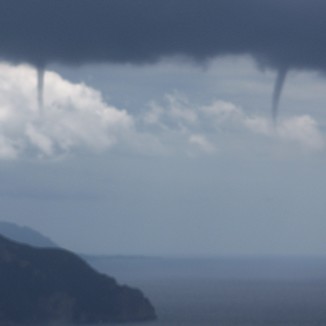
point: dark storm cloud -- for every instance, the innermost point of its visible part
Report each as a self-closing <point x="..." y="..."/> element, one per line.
<point x="286" y="33"/>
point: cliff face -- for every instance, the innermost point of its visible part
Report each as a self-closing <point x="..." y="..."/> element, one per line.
<point x="46" y="285"/>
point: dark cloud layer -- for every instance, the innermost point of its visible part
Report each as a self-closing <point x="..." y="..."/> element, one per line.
<point x="279" y="33"/>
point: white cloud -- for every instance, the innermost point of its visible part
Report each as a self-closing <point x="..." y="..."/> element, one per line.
<point x="154" y="115"/>
<point x="180" y="109"/>
<point x="40" y="140"/>
<point x="225" y="118"/>
<point x="303" y="130"/>
<point x="8" y="149"/>
<point x="176" y="113"/>
<point x="74" y="116"/>
<point x="201" y="142"/>
<point x="259" y="125"/>
<point x="222" y="112"/>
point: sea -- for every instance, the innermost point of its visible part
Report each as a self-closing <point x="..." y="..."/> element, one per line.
<point x="191" y="291"/>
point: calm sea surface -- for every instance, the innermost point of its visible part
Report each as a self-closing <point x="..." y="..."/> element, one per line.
<point x="226" y="292"/>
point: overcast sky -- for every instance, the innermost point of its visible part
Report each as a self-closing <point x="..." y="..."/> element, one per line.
<point x="155" y="135"/>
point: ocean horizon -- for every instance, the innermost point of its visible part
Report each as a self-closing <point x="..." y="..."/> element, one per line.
<point x="226" y="291"/>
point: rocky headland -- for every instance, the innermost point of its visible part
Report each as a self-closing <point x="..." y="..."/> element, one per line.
<point x="45" y="285"/>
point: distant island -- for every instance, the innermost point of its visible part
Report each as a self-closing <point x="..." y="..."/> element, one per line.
<point x="45" y="285"/>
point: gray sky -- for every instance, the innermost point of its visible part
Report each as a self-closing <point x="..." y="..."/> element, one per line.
<point x="169" y="157"/>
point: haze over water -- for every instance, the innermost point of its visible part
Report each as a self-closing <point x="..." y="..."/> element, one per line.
<point x="227" y="291"/>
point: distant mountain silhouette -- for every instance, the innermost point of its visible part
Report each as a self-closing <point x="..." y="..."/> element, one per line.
<point x="45" y="285"/>
<point x="25" y="235"/>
